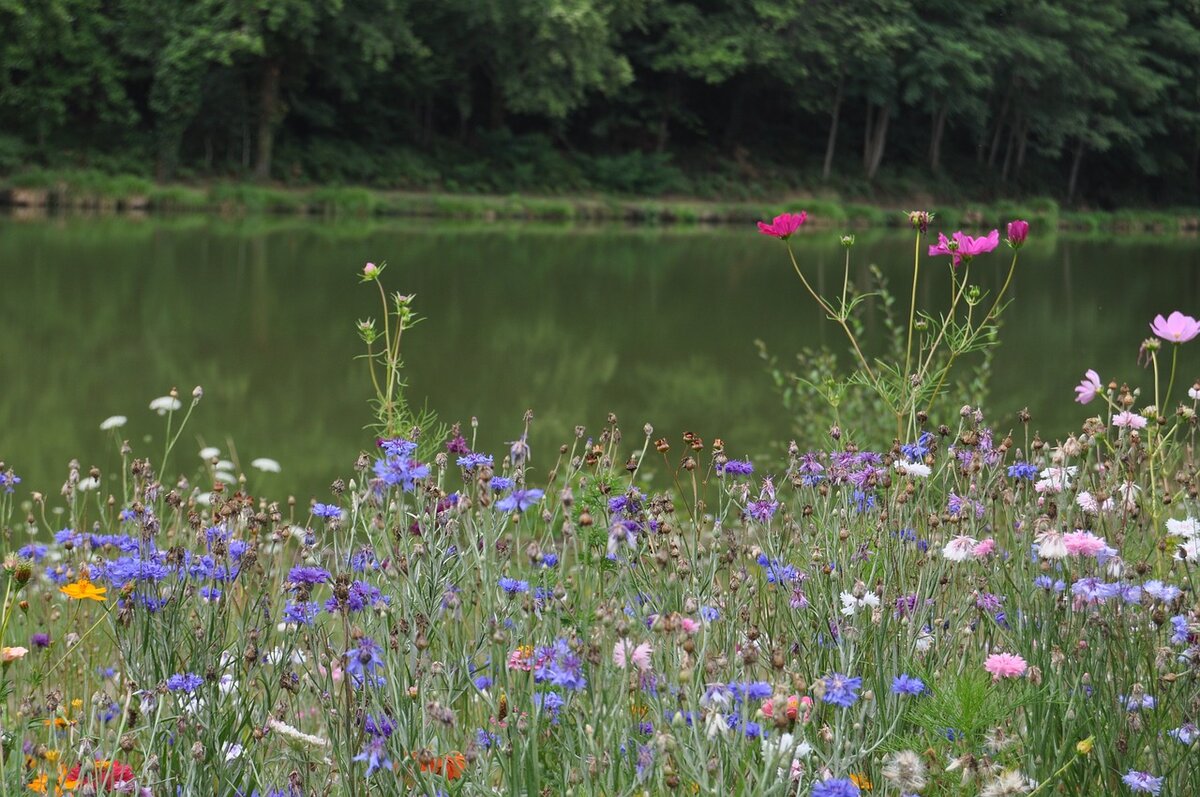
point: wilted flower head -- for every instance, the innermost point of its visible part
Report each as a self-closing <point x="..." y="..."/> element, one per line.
<point x="905" y="771"/>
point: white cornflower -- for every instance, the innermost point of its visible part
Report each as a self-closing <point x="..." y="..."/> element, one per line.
<point x="960" y="549"/>
<point x="164" y="404"/>
<point x="1188" y="528"/>
<point x="209" y="452"/>
<point x="266" y="465"/>
<point x="851" y="604"/>
<point x="913" y="469"/>
<point x="88" y="483"/>
<point x="1051" y="545"/>
<point x="113" y="422"/>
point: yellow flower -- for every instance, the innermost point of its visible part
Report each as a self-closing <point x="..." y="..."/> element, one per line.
<point x="860" y="781"/>
<point x="84" y="589"/>
<point x="1085" y="745"/>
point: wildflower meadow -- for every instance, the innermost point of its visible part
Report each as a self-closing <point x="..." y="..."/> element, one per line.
<point x="934" y="602"/>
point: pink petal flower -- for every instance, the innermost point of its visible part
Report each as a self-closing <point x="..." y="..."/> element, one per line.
<point x="984" y="548"/>
<point x="1018" y="231"/>
<point x="960" y="246"/>
<point x="1005" y="665"/>
<point x="1084" y="543"/>
<point x="1129" y="420"/>
<point x="1176" y="328"/>
<point x="625" y="654"/>
<point x="783" y="225"/>
<point x="1089" y="388"/>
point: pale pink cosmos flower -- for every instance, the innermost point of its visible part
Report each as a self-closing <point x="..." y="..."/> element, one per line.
<point x="1005" y="665"/>
<point x="960" y="549"/>
<point x="984" y="548"/>
<point x="783" y="225"/>
<point x="960" y="246"/>
<point x="1084" y="543"/>
<point x="625" y="654"/>
<point x="1089" y="388"/>
<point x="1129" y="420"/>
<point x="1175" y="328"/>
<point x="12" y="654"/>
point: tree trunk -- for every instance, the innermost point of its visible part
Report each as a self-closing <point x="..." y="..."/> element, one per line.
<point x="881" y="128"/>
<point x="831" y="143"/>
<point x="935" y="140"/>
<point x="1024" y="140"/>
<point x="1000" y="120"/>
<point x="868" y="132"/>
<point x="1008" y="152"/>
<point x="268" y="117"/>
<point x="496" y="109"/>
<point x="1071" y="185"/>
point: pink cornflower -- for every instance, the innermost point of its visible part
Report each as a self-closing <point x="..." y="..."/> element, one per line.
<point x="960" y="246"/>
<point x="1005" y="665"/>
<point x="1018" y="231"/>
<point x="1084" y="543"/>
<point x="1129" y="420"/>
<point x="625" y="654"/>
<point x="783" y="225"/>
<point x="1089" y="388"/>
<point x="689" y="625"/>
<point x="960" y="549"/>
<point x="984" y="548"/>
<point x="1175" y="328"/>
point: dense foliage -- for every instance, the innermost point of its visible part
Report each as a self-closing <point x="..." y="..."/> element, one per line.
<point x="1080" y="99"/>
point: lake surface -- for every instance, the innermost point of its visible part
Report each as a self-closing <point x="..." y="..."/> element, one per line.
<point x="101" y="315"/>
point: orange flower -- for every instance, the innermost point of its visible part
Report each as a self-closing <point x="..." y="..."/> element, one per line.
<point x="84" y="589"/>
<point x="38" y="784"/>
<point x="452" y="766"/>
<point x="860" y="781"/>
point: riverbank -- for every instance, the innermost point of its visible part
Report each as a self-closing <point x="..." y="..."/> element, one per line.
<point x="41" y="192"/>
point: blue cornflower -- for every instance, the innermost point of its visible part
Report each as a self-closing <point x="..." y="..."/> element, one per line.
<point x="750" y="690"/>
<point x="364" y="659"/>
<point x="210" y="594"/>
<point x="708" y="614"/>
<point x="736" y="467"/>
<point x="363" y="560"/>
<point x="129" y="569"/>
<point x="905" y="684"/>
<point x="303" y="613"/>
<point x="379" y="726"/>
<point x="501" y="483"/>
<point x="1181" y="634"/>
<point x="512" y="586"/>
<point x="1022" y="470"/>
<point x="549" y="560"/>
<point x="1047" y="583"/>
<point x="484" y="739"/>
<point x="126" y="515"/>
<point x="550" y="702"/>
<point x="753" y="730"/>
<point x="519" y="500"/>
<point x="34" y="550"/>
<point x="777" y="572"/>
<point x="308" y="575"/>
<point x="185" y="682"/>
<point x="835" y="787"/>
<point x="1142" y="781"/>
<point x="917" y="451"/>
<point x="483" y="683"/>
<point x="398" y="466"/>
<point x="375" y="753"/>
<point x="472" y="461"/>
<point x="359" y="595"/>
<point x="1161" y="592"/>
<point x="762" y="510"/>
<point x="327" y="511"/>
<point x="841" y="690"/>
<point x="560" y="666"/>
<point x="8" y="480"/>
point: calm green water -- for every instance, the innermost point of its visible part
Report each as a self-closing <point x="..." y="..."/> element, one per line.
<point x="99" y="316"/>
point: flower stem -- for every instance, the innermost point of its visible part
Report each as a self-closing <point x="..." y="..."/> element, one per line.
<point x="833" y="316"/>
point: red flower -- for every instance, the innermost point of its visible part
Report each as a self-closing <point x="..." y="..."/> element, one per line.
<point x="784" y="225"/>
<point x="111" y="773"/>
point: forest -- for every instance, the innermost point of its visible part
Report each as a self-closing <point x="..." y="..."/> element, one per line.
<point x="1093" y="102"/>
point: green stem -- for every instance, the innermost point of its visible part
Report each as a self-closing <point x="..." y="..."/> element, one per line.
<point x="833" y="316"/>
<point x="949" y="317"/>
<point x="912" y="305"/>
<point x="1171" y="381"/>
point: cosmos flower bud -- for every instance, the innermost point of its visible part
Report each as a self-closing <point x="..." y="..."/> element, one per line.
<point x="1018" y="231"/>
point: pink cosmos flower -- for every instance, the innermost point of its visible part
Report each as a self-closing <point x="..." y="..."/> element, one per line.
<point x="1129" y="420"/>
<point x="1089" y="388"/>
<point x="1018" y="231"/>
<point x="783" y="225"/>
<point x="1005" y="665"/>
<point x="370" y="270"/>
<point x="1175" y="328"/>
<point x="1084" y="543"/>
<point x="960" y="246"/>
<point x="984" y="548"/>
<point x="625" y="654"/>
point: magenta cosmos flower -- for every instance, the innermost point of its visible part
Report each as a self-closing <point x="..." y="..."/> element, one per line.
<point x="1089" y="388"/>
<point x="960" y="246"/>
<point x="1018" y="231"/>
<point x="1175" y="328"/>
<point x="783" y="225"/>
<point x="1005" y="665"/>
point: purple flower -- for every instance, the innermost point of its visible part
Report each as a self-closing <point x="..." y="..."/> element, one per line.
<point x="513" y="586"/>
<point x="963" y="247"/>
<point x="519" y="500"/>
<point x="302" y="613"/>
<point x="398" y="467"/>
<point x="364" y="659"/>
<point x="470" y="462"/>
<point x="1018" y="231"/>
<point x="1142" y="781"/>
<point x="841" y="690"/>
<point x="40" y="640"/>
<point x="736" y="467"/>
<point x="375" y="754"/>
<point x="1022" y="470"/>
<point x="303" y="574"/>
